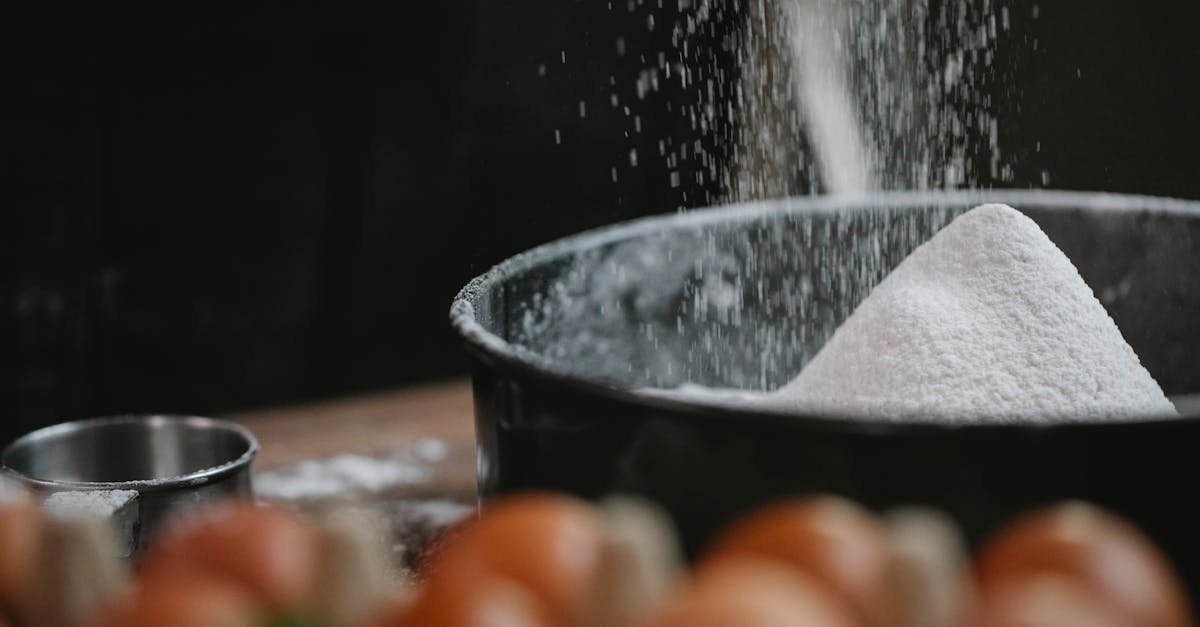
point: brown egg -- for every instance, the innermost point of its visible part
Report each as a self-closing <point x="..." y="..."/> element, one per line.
<point x="469" y="601"/>
<point x="1044" y="601"/>
<point x="838" y="543"/>
<point x="270" y="552"/>
<point x="548" y="544"/>
<point x="20" y="528"/>
<point x="1103" y="553"/>
<point x="185" y="599"/>
<point x="751" y="592"/>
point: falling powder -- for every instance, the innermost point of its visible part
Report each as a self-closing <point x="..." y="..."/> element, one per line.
<point x="986" y="322"/>
<point x="825" y="95"/>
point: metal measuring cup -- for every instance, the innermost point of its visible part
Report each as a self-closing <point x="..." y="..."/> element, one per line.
<point x="151" y="466"/>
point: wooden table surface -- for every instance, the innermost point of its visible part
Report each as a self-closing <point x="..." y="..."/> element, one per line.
<point x="375" y="424"/>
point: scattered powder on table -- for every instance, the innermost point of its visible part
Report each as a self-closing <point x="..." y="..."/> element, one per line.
<point x="988" y="321"/>
<point x="341" y="475"/>
<point x="418" y="524"/>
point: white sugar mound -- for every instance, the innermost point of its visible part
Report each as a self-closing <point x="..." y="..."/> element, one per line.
<point x="988" y="321"/>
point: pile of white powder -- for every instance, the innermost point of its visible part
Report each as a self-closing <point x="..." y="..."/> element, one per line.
<point x="986" y="322"/>
<point x="101" y="504"/>
<point x="120" y="508"/>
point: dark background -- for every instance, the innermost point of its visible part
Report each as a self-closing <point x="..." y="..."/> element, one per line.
<point x="208" y="209"/>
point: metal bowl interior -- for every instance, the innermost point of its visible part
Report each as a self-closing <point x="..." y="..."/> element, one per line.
<point x="564" y="338"/>
<point x="742" y="296"/>
<point x="131" y="452"/>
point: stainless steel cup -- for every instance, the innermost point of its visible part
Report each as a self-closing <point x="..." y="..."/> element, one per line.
<point x="172" y="462"/>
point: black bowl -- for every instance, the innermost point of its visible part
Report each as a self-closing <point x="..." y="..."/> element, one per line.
<point x="563" y="340"/>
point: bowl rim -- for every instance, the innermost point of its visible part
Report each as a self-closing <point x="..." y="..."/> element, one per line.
<point x="497" y="352"/>
<point x="191" y="479"/>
